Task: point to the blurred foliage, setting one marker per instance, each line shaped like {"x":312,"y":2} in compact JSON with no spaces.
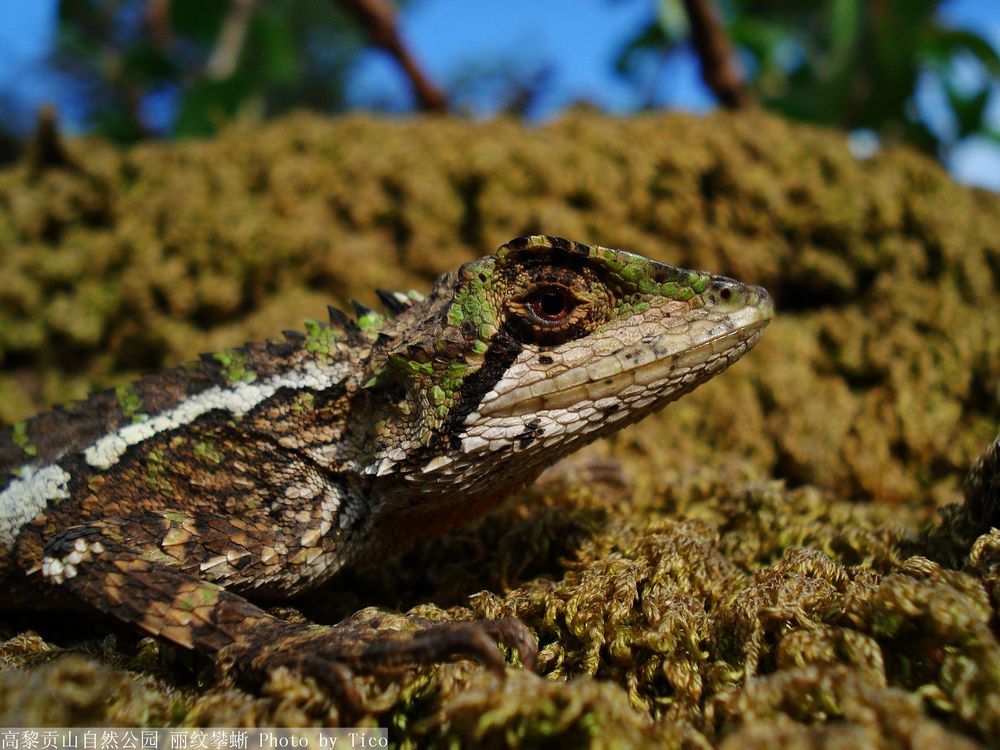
{"x":184,"y":67}
{"x":177,"y":68}
{"x":848,"y":63}
{"x":511,"y":85}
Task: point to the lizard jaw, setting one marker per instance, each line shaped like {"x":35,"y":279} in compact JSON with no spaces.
{"x":644,"y":355}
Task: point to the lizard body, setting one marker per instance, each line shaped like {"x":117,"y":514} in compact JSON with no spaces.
{"x":260,"y":472}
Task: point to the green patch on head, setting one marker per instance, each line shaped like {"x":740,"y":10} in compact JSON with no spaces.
{"x":634,"y":274}
{"x":431,"y":383}
{"x":413,"y":365}
{"x":438,"y":395}
{"x":398,"y":367}
{"x":626,"y":274}
{"x":472,"y":299}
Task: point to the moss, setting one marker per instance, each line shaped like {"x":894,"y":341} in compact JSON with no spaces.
{"x":772,"y":557}
{"x":234,"y":366}
{"x":320,"y":339}
{"x":19,"y":436}
{"x":129,"y":402}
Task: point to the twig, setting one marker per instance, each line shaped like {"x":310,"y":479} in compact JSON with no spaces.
{"x":379,"y":19}
{"x":718,"y":66}
{"x":158,"y":21}
{"x":46,"y":148}
{"x":229,"y":45}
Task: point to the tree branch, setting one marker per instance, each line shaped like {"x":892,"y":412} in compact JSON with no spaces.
{"x":379,"y":20}
{"x":719,"y":69}
{"x":229,"y":44}
{"x":46,"y":148}
{"x":158,"y":21}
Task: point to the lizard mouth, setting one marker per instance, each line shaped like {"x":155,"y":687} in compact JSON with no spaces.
{"x":663,"y":364}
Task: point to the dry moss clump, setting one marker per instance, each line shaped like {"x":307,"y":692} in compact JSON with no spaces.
{"x":772,"y":559}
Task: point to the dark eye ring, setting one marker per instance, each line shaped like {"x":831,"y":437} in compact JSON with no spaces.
{"x":551,"y":303}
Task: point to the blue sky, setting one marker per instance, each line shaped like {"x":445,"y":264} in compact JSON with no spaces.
{"x":577,"y":39}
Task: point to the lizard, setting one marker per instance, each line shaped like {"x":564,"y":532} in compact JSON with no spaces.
{"x":183,"y":502}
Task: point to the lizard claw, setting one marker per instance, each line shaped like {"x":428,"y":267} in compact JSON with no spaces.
{"x":434,"y":642}
{"x":337,"y":680}
{"x":515,"y":635}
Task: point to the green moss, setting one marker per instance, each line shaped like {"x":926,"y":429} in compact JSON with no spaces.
{"x":371,"y":321}
{"x":425,"y":368}
{"x":19,"y":436}
{"x":472,"y":302}
{"x":320,"y":339}
{"x":130,"y":403}
{"x":438,"y":395}
{"x":234,"y":366}
{"x":699,"y":282}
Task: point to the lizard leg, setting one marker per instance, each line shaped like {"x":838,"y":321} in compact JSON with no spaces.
{"x":373,"y":641}
{"x":175,"y":575}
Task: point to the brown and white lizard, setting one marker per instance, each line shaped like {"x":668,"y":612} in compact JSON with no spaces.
{"x":259,"y":472}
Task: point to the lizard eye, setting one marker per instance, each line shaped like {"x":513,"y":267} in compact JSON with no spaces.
{"x":548,"y":314}
{"x":550,"y":303}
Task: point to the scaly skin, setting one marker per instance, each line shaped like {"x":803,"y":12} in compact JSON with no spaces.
{"x":260,"y":472}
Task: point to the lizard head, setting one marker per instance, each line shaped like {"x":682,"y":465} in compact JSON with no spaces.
{"x":525,"y":355}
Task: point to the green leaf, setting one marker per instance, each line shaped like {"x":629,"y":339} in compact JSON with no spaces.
{"x":942,"y":45}
{"x":845,"y":33}
{"x":968,"y":109}
{"x":271,"y":40}
{"x":773,"y":48}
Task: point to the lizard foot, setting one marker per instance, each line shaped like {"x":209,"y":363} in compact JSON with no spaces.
{"x":373,"y":641}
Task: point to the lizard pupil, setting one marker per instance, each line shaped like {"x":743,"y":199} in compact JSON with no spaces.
{"x":551,"y":305}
